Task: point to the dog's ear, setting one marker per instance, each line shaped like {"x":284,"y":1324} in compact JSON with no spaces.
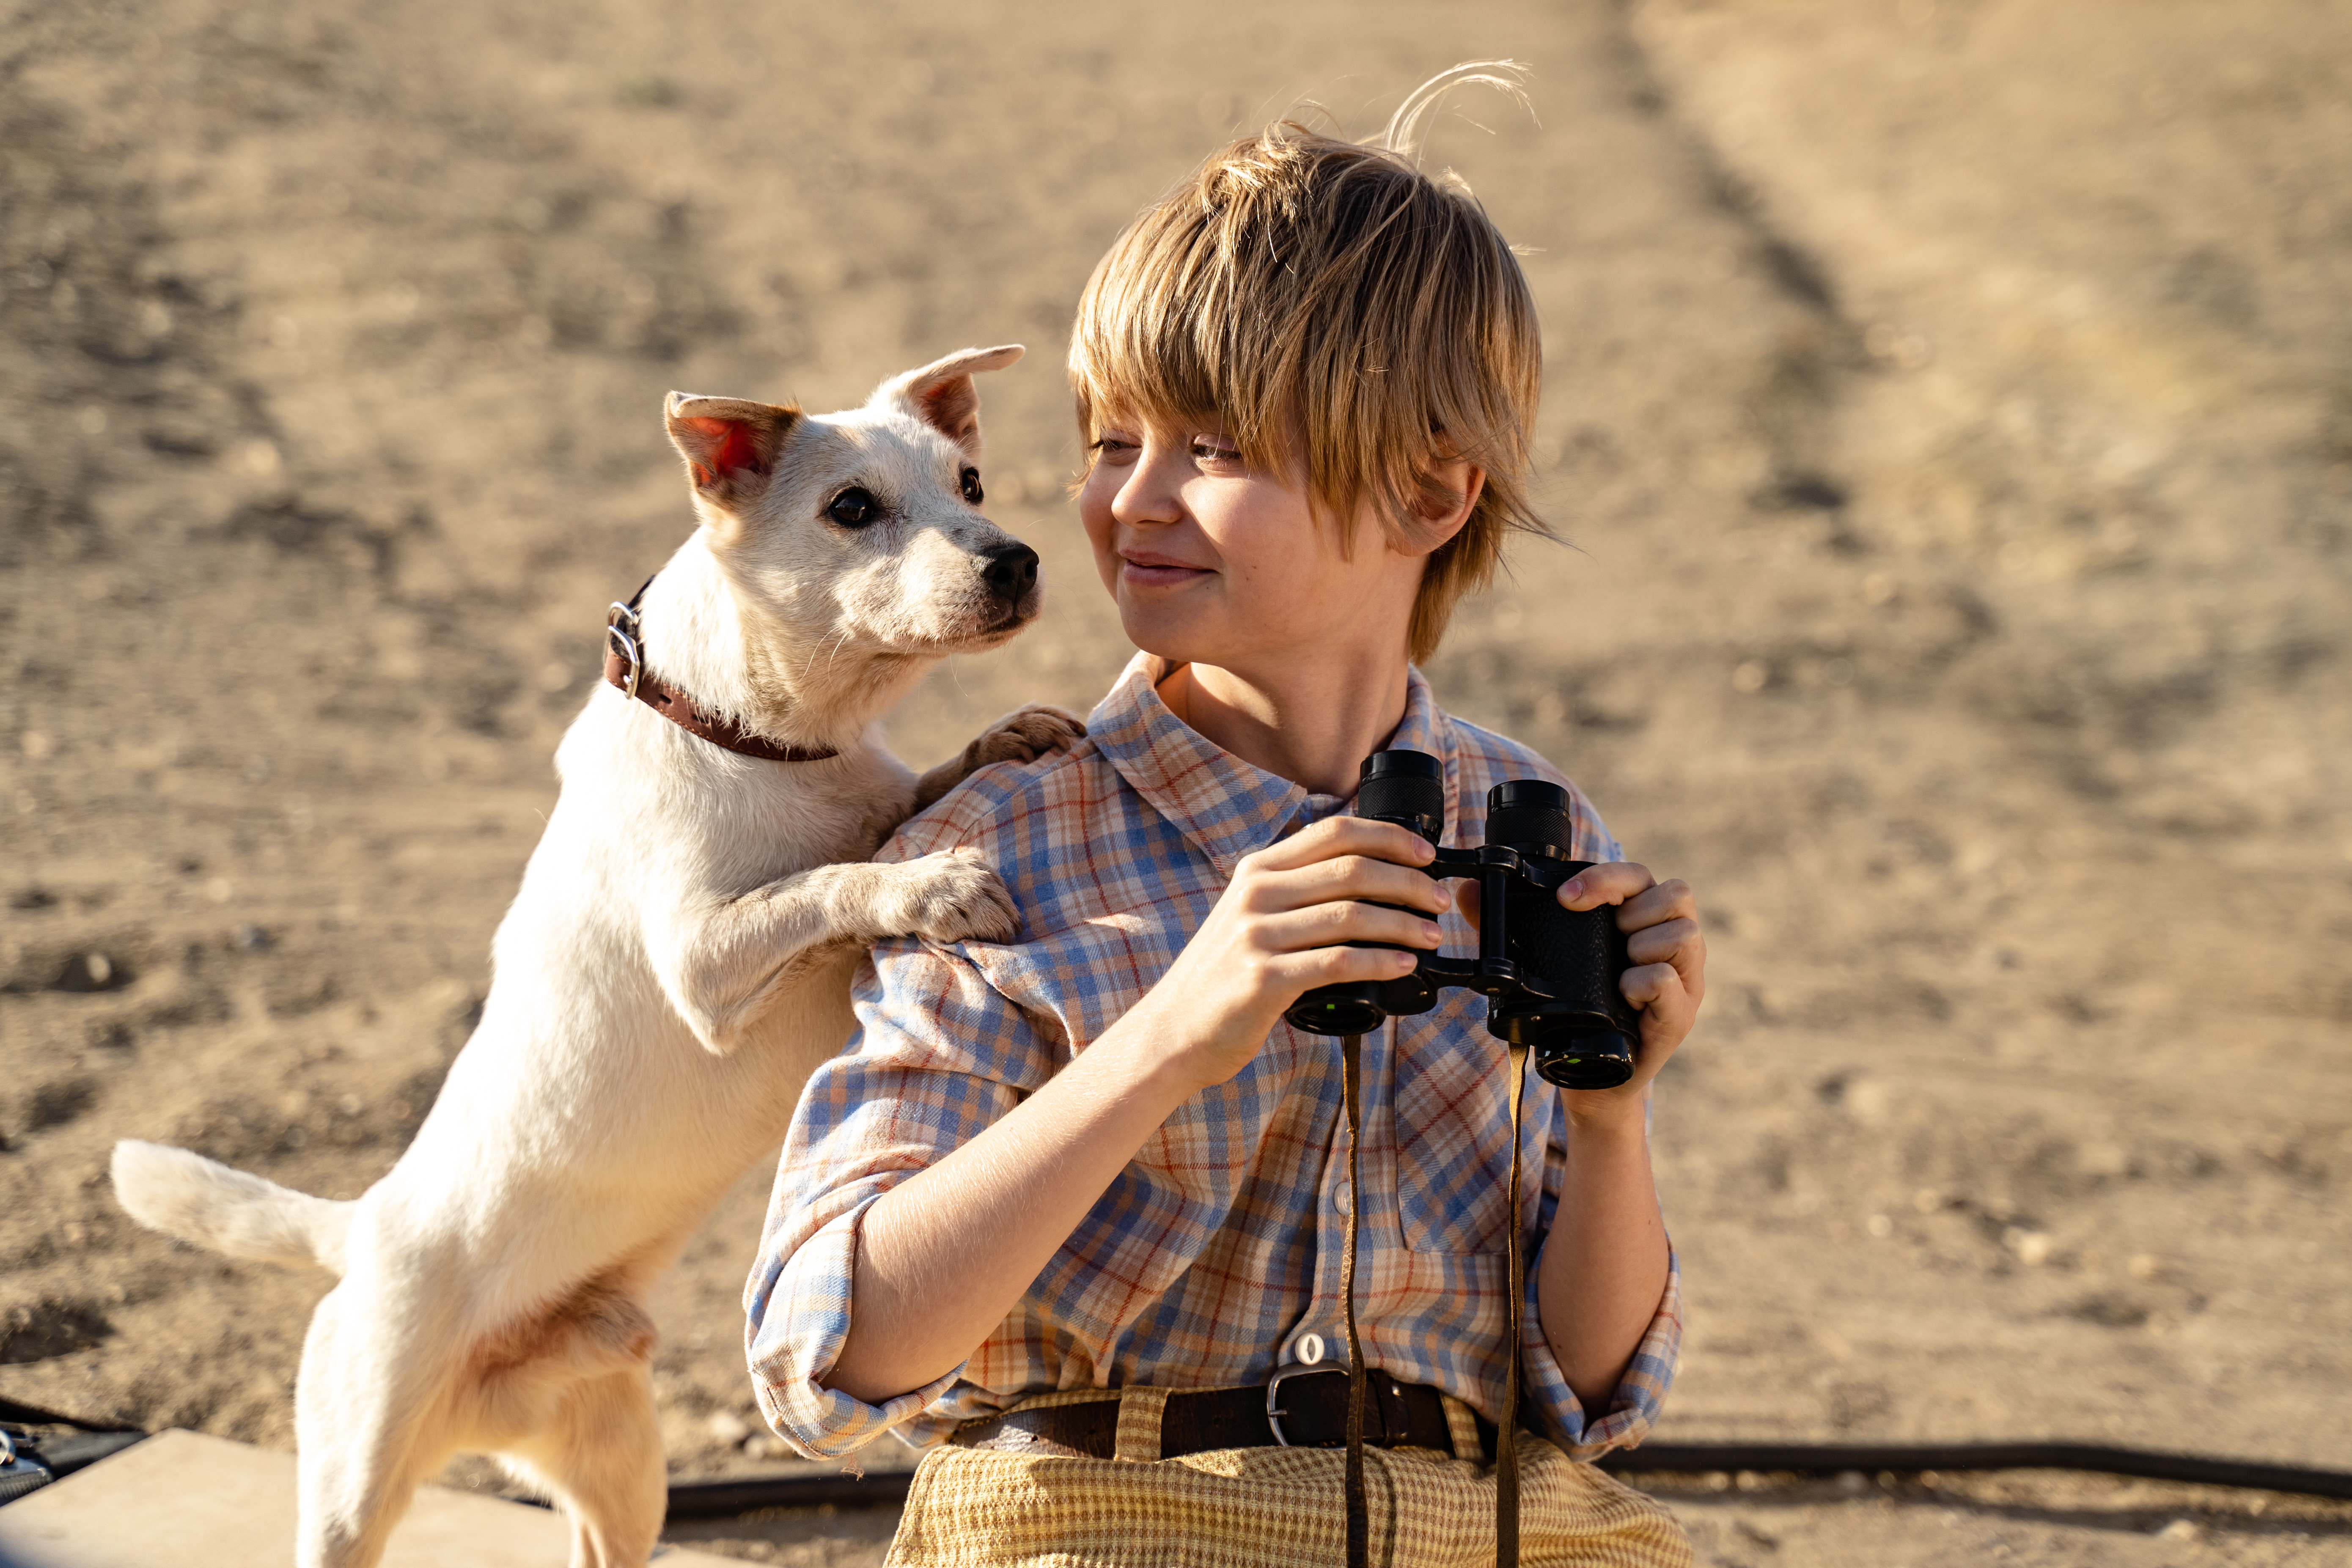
{"x":729,"y":446}
{"x":941,"y":395}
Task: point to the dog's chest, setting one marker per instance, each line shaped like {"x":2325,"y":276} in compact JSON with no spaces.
{"x":787,"y":824}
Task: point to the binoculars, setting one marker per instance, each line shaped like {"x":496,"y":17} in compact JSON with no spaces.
{"x":1550,"y":975}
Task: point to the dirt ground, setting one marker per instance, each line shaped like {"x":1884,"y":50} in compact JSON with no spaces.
{"x":1949,"y":401}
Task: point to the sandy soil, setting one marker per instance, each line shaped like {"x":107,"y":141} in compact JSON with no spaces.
{"x":1949,"y":401}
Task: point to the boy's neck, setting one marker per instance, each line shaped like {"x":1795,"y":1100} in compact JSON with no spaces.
{"x":1313,"y":725}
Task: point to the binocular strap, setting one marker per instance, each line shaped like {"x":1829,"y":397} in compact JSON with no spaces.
{"x":1507,"y":1449}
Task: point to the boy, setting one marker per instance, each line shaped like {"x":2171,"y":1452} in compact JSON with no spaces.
{"x":1076,"y":1205}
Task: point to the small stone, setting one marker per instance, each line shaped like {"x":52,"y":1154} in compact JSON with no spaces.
{"x":727,"y":1427}
{"x":1751,"y":677}
{"x":1881,"y":1227}
{"x":2144,"y":1266}
{"x":2033,"y":1246}
{"x":1748,"y":1482}
{"x":1926,"y":1200}
{"x":2181,"y":1530}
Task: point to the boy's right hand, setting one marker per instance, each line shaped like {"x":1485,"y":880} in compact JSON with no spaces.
{"x":1279,"y":930}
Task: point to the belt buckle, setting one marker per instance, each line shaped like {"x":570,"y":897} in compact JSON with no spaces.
{"x":1273,"y":1411}
{"x":625,"y":639}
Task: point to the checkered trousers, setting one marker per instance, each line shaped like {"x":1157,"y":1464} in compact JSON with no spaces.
{"x":1217,"y":1252}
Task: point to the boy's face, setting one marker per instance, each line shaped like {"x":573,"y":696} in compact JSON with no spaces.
{"x":1215,"y":563}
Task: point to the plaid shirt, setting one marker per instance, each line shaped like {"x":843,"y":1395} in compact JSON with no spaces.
{"x":1217,"y":1248}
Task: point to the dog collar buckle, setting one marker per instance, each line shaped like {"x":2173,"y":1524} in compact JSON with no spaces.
{"x":626,"y":637}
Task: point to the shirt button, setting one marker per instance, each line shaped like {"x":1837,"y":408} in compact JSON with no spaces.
{"x":1340,"y":1201}
{"x":1310,"y":1350}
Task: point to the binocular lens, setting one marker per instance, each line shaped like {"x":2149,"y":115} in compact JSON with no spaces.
{"x":1583,"y":1058}
{"x":1354,"y":1008}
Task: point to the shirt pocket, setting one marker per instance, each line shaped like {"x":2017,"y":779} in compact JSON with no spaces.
{"x":1452,"y":1129}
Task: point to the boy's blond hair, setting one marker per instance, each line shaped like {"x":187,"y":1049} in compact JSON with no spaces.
{"x":1300,"y":287}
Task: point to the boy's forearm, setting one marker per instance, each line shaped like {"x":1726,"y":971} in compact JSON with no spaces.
{"x":944,"y":1256}
{"x":1604,"y":1263}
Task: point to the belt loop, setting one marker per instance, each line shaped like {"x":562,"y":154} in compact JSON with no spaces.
{"x":1462,"y":1424}
{"x":1139,"y":1412}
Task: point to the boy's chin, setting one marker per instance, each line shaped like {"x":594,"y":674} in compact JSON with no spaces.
{"x":1179,"y":639}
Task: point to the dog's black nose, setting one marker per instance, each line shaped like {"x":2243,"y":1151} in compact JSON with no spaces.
{"x":1011,"y":571}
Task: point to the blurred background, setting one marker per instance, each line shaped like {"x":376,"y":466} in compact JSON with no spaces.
{"x":1949,"y":401}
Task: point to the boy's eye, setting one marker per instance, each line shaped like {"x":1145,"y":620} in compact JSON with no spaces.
{"x":1216,"y":448}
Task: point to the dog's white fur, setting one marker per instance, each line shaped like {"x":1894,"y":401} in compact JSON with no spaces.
{"x":674,"y":967}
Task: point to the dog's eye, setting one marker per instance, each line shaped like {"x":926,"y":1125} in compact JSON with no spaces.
{"x":972,"y":491}
{"x":854,"y":508}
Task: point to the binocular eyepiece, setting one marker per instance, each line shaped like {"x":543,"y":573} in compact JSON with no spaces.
{"x":1550,"y":975}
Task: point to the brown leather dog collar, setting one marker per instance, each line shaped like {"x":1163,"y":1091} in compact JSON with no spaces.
{"x":626,"y":671}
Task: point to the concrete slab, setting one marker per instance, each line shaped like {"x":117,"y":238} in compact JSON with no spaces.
{"x":182,"y":1500}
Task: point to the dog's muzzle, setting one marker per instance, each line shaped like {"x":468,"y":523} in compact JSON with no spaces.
{"x":1011,"y":570}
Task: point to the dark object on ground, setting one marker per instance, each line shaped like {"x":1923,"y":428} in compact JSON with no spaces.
{"x":726,"y":1499}
{"x":1911,"y":1459}
{"x":37,"y":1446}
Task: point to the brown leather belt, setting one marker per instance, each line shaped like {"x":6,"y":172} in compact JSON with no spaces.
{"x":1302,"y":1407}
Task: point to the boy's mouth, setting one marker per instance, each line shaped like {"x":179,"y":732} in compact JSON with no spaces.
{"x":1149,"y":569}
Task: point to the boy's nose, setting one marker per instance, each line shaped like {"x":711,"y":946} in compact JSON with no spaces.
{"x":1147,"y":493}
{"x":1011,"y":571}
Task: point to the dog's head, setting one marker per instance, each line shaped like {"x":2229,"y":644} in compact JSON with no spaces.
{"x":861,"y":532}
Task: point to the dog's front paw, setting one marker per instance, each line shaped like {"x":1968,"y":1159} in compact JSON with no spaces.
{"x":1023,"y":735}
{"x":953,"y":897}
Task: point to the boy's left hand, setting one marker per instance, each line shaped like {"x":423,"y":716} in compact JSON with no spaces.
{"x":1668,"y":978}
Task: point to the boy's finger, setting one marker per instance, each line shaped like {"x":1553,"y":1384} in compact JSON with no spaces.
{"x":1612,"y":883}
{"x":1325,"y":925}
{"x":1355,"y":877}
{"x":1658,"y":990}
{"x":1659,"y":943}
{"x":1671,"y":900}
{"x":1299,"y":973}
{"x":1336,"y":835}
{"x":1677,"y":943}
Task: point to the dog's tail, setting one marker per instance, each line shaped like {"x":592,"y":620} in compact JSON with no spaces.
{"x":198,"y":1200}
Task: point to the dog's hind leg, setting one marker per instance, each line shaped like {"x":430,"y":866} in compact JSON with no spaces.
{"x":371,"y":1418}
{"x":601,"y":1460}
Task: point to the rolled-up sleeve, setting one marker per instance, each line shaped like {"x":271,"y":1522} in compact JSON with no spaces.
{"x":939,"y":1056}
{"x":1641,"y":1391}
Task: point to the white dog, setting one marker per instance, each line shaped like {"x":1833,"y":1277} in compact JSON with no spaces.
{"x":675,"y":966}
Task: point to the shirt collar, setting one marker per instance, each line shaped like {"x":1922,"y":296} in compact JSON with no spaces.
{"x":1228,"y":808}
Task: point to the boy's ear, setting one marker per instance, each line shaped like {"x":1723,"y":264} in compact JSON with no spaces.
{"x":729,"y":445}
{"x":1450,"y":487}
{"x":941,"y":395}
